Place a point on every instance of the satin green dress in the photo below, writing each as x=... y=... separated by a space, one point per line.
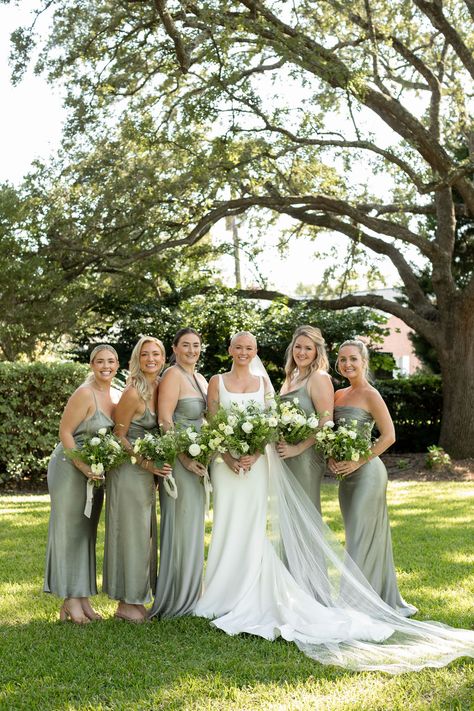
x=70 y=555
x=130 y=555
x=363 y=502
x=308 y=467
x=179 y=583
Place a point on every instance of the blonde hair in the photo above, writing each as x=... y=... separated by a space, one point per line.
x=243 y=333
x=320 y=361
x=364 y=354
x=94 y=352
x=136 y=376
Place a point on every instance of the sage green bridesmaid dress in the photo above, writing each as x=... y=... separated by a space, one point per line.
x=179 y=583
x=363 y=502
x=309 y=466
x=70 y=555
x=130 y=555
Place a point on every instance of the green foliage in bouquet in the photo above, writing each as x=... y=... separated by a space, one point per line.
x=348 y=442
x=294 y=425
x=243 y=430
x=102 y=451
x=159 y=449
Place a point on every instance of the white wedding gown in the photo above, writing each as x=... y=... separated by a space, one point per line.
x=324 y=604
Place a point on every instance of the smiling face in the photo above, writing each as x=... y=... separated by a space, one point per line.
x=187 y=350
x=151 y=358
x=104 y=366
x=350 y=362
x=242 y=349
x=304 y=352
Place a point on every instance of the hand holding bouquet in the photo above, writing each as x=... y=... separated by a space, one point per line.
x=159 y=450
x=348 y=442
x=294 y=425
x=102 y=452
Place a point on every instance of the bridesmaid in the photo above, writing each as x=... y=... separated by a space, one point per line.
x=70 y=557
x=130 y=520
x=182 y=401
x=307 y=379
x=362 y=491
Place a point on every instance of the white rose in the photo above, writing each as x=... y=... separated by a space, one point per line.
x=320 y=436
x=193 y=436
x=329 y=423
x=296 y=401
x=247 y=427
x=133 y=460
x=115 y=445
x=136 y=446
x=272 y=422
x=97 y=468
x=94 y=441
x=245 y=447
x=352 y=435
x=232 y=420
x=194 y=449
x=102 y=431
x=355 y=456
x=228 y=430
x=299 y=419
x=313 y=422
x=286 y=418
x=222 y=427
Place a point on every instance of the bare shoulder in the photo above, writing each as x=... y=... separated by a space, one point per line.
x=320 y=378
x=82 y=396
x=373 y=396
x=214 y=380
x=115 y=395
x=171 y=375
x=339 y=394
x=130 y=396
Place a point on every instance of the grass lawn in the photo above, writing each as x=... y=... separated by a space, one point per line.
x=185 y=664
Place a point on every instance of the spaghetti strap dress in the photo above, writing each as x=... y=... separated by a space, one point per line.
x=71 y=549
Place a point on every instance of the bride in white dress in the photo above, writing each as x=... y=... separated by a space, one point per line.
x=329 y=610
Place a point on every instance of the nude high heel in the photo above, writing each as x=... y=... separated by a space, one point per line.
x=65 y=614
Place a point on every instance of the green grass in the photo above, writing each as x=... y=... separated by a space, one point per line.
x=185 y=664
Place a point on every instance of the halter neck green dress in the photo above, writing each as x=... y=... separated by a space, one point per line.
x=179 y=583
x=130 y=555
x=70 y=555
x=363 y=502
x=309 y=466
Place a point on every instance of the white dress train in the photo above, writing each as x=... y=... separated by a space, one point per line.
x=317 y=597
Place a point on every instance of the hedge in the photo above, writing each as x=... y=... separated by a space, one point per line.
x=32 y=397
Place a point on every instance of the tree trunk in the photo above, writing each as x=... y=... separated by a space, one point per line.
x=457 y=370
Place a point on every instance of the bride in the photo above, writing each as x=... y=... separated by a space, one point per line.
x=328 y=609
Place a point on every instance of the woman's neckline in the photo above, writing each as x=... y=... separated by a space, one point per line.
x=353 y=407
x=232 y=392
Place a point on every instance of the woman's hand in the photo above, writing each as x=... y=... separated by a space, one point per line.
x=344 y=468
x=148 y=466
x=248 y=460
x=192 y=465
x=286 y=450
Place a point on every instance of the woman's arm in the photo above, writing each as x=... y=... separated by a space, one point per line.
x=79 y=407
x=213 y=395
x=168 y=396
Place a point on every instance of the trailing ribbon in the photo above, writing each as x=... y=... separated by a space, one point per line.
x=89 y=497
x=170 y=486
x=206 y=480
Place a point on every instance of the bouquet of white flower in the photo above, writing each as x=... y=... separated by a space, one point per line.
x=160 y=450
x=201 y=446
x=242 y=430
x=348 y=442
x=294 y=425
x=101 y=451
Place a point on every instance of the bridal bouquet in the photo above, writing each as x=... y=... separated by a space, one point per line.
x=160 y=450
x=201 y=446
x=102 y=451
x=348 y=442
x=294 y=425
x=242 y=430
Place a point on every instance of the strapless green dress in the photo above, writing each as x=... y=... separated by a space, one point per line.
x=130 y=555
x=309 y=466
x=70 y=554
x=363 y=502
x=179 y=582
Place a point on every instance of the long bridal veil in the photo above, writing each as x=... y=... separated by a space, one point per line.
x=321 y=567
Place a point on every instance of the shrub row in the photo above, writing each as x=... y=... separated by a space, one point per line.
x=32 y=397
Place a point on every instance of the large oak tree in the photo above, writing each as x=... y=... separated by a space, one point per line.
x=346 y=117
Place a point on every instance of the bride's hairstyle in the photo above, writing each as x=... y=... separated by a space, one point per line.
x=94 y=352
x=364 y=354
x=242 y=333
x=136 y=377
x=320 y=362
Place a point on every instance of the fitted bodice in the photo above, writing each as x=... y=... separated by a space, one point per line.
x=349 y=413
x=304 y=398
x=190 y=412
x=226 y=398
x=92 y=424
x=142 y=425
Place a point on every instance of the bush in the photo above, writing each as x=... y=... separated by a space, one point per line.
x=32 y=398
x=415 y=404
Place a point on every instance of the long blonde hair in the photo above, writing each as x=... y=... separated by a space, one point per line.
x=320 y=362
x=135 y=376
x=101 y=347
